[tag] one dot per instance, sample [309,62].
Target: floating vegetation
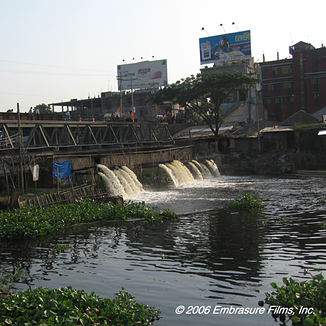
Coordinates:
[66,306]
[301,302]
[248,203]
[32,222]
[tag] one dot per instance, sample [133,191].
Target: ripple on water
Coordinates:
[211,258]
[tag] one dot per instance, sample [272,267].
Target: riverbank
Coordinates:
[229,164]
[252,163]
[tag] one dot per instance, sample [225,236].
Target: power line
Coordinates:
[48,73]
[51,66]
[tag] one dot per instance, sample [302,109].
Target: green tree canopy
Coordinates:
[205,93]
[43,108]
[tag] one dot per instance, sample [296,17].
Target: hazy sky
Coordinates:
[56,50]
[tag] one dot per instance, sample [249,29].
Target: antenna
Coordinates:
[223,27]
[203,29]
[235,25]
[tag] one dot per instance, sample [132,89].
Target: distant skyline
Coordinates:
[54,51]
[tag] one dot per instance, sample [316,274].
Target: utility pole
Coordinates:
[20,143]
[132,95]
[120,80]
[132,103]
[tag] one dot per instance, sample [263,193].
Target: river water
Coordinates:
[207,260]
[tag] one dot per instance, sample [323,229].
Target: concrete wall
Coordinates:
[136,161]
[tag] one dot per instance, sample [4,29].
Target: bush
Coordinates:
[304,302]
[65,306]
[247,203]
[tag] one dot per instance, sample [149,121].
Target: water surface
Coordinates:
[207,258]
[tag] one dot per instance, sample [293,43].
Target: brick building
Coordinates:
[295,84]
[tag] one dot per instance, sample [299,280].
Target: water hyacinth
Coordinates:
[247,203]
[32,222]
[66,306]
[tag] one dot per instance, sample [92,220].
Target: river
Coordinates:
[207,260]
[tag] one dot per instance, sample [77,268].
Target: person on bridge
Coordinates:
[30,114]
[37,112]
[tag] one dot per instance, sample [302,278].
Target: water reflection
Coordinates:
[211,258]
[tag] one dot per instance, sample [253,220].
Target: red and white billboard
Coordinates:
[142,75]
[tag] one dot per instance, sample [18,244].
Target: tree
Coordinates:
[43,108]
[205,93]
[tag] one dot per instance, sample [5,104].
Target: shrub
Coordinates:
[66,306]
[247,203]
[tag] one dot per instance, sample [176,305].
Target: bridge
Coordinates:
[39,136]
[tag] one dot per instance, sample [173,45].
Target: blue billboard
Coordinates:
[219,48]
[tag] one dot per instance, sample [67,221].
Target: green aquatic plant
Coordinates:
[247,203]
[32,222]
[7,279]
[303,303]
[61,248]
[66,306]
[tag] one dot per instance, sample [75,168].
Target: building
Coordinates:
[241,107]
[108,104]
[294,84]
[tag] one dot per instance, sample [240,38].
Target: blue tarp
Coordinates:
[64,169]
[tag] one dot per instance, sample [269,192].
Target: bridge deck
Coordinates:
[60,135]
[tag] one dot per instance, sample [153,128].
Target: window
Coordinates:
[277,100]
[242,96]
[315,84]
[316,100]
[287,85]
[270,87]
[314,62]
[286,70]
[275,71]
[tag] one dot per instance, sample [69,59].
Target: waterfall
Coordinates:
[129,181]
[170,173]
[112,183]
[124,182]
[133,176]
[181,172]
[195,171]
[181,175]
[108,185]
[203,169]
[213,168]
[120,182]
[184,171]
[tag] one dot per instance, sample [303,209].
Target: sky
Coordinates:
[57,50]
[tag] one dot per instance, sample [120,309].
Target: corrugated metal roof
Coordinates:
[276,129]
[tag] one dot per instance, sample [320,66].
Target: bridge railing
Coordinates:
[53,135]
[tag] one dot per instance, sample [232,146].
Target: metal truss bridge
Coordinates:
[36,137]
